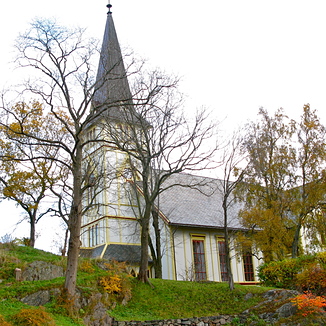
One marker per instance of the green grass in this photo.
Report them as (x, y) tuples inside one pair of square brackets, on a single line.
[(164, 300), (181, 299)]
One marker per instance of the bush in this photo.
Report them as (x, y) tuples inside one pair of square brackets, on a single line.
[(279, 273), (33, 317), (117, 281), (313, 278), (303, 273)]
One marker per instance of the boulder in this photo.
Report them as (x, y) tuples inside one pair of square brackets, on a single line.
[(40, 298), (41, 271)]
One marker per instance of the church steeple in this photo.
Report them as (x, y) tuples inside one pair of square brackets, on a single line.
[(111, 81)]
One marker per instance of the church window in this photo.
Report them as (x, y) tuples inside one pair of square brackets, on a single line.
[(93, 236), (199, 258), (248, 266), (222, 258), (90, 191)]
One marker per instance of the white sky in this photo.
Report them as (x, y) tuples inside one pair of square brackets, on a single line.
[(233, 56)]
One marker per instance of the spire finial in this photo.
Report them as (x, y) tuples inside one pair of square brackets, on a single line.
[(109, 6)]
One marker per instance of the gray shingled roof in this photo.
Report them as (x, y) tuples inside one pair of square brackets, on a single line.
[(199, 205), (123, 253), (120, 253)]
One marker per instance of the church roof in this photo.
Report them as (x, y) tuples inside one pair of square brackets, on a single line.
[(196, 201), (118, 252), (111, 86)]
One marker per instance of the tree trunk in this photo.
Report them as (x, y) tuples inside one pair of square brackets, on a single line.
[(74, 226), (296, 239), (227, 248), (143, 276), (32, 231), (158, 260)]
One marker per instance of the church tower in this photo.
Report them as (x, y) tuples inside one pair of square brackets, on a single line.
[(110, 228)]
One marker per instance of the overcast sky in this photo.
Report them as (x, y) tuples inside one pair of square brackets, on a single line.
[(233, 56)]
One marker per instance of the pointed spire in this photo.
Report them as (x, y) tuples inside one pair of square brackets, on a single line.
[(111, 80)]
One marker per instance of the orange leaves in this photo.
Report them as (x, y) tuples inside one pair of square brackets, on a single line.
[(309, 303)]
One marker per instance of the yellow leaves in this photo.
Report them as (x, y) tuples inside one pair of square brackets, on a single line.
[(20, 183), (111, 284), (271, 233), (15, 128)]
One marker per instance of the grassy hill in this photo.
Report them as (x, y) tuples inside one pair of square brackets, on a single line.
[(163, 300)]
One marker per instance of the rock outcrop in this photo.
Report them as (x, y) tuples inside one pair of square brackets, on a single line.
[(41, 271)]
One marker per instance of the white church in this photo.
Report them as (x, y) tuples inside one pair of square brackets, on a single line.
[(191, 222)]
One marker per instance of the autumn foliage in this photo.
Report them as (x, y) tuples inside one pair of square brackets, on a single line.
[(117, 280), (309, 303), (33, 317), (313, 278)]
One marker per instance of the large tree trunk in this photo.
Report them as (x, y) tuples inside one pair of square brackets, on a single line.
[(74, 226), (158, 256), (32, 231), (143, 268)]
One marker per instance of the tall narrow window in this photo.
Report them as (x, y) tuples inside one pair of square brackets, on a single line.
[(90, 237), (93, 235), (199, 259), (222, 257), (248, 266)]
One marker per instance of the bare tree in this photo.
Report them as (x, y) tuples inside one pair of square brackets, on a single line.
[(61, 62), (159, 141), (232, 163)]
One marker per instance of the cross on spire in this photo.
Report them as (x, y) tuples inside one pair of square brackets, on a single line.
[(109, 6)]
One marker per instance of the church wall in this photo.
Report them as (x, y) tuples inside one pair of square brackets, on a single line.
[(184, 255)]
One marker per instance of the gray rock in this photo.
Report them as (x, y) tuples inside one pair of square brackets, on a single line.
[(40, 298), (41, 271), (287, 310), (248, 296)]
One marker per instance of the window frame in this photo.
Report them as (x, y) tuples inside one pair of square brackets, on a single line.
[(199, 265), (221, 247)]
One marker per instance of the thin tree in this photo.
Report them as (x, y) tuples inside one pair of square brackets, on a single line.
[(232, 162)]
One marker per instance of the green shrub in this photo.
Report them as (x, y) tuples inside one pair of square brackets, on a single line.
[(279, 273), (304, 273)]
